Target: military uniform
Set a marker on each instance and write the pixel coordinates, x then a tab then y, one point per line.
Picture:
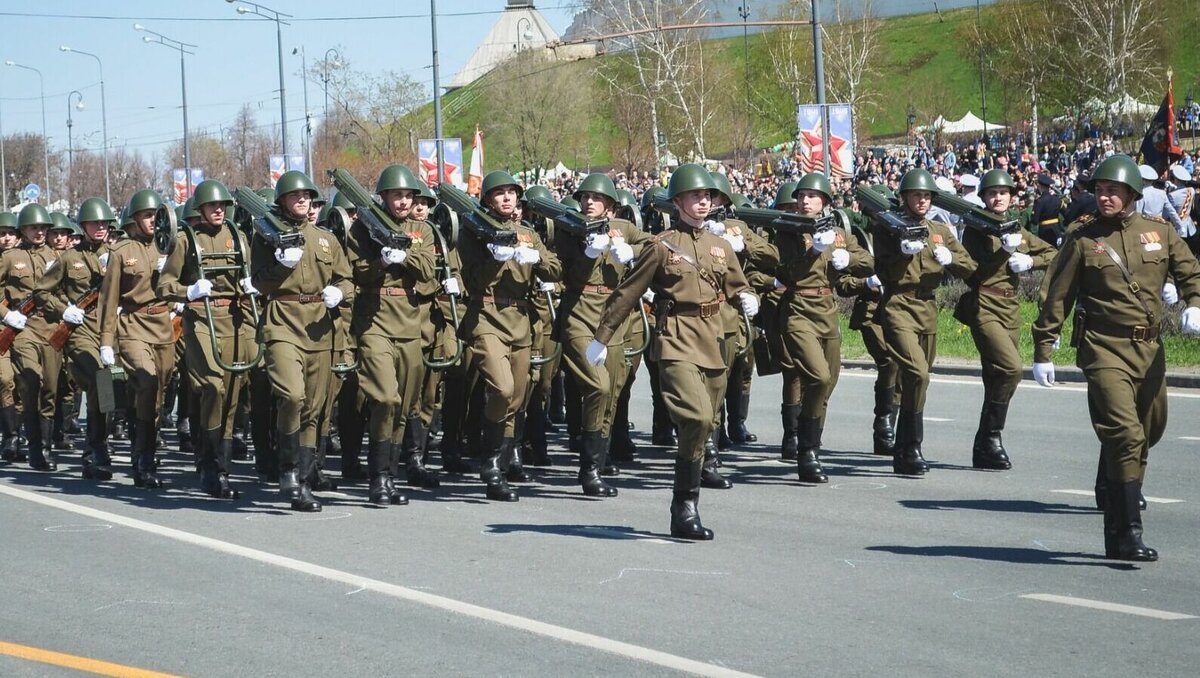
10	423
1047	213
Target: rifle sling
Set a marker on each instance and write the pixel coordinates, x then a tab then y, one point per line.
1133	286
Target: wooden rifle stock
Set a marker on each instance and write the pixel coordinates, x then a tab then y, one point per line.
9	334
63	332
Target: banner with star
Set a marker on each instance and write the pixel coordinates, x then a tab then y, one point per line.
427	159
812	148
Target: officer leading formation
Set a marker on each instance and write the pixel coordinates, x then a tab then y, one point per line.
311	323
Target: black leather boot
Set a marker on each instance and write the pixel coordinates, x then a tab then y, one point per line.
556	413
145	465
214	471
378	493
289	471
736	411
535	452
452	459
710	477
97	465
590	461
608	466
722	437
910	432
808	455
318	480
413	451
183	430
883	430
1123	499
42	457
303	500
685	502
379	455
988	451
514	470
791	431
10	433
493	444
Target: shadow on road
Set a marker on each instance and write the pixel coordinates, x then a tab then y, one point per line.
619	532
1005	554
998	505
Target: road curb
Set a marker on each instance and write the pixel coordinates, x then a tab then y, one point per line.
1062	373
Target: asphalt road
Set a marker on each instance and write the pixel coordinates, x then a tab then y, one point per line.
962	572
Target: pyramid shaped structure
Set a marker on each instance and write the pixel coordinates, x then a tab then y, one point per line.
519	27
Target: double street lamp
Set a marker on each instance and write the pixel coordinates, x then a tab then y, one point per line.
268	13
103	117
331	52
161	39
45	138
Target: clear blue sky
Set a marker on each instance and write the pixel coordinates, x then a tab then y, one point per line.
235	61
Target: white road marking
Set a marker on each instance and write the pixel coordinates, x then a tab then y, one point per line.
937	419
974	381
129	601
551	631
1109	607
1092	493
1189	437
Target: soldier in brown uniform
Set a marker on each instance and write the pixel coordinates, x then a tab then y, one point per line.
911	271
215	389
11	444
62	294
136	328
497	324
592	268
36	362
388	318
809	321
692	273
1110	269
993	312
533	443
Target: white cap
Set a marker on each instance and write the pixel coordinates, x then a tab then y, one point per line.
1180	174
1147	172
944	184
969	180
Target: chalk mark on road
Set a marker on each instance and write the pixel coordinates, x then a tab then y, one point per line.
658	571
1092	493
129	601
71	529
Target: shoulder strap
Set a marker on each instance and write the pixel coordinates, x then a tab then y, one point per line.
1133	286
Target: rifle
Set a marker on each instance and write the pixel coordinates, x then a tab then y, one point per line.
974	216
787	222
9	333
568	219
887	214
266	224
380	225
63	332
474	218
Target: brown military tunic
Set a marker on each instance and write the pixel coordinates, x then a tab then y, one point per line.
37	364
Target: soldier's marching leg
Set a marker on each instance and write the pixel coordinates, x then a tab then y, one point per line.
573	408
556	413
350	415
454	410
710	477
514	469
295	382
816	361
241	424
595	387
911	351
185	399
501	371
1002	371
737	400
10	424
662	431
383	385
690	394
883	429
83	357
37	367
209	408
622	448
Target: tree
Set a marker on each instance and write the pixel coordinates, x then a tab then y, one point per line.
789	48
851	50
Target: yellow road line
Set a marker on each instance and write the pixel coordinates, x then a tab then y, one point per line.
70	661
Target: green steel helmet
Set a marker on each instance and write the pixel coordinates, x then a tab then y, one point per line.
397	177
653	193
626	199
323	215
883	190
497	178
145	199
211	190
426	192
740	200
189	210
1118	168
597	182
996	178
723	186
34	214
814	181
267	194
62	223
570	202
8	220
94	209
536	191
290	182
784	196
318	199
689	177
919	180
126	218
342	201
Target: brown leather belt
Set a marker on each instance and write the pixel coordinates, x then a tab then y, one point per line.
811	291
151	309
706	310
301	298
1006	292
500	301
924	295
593	289
219	303
389	292
1135	333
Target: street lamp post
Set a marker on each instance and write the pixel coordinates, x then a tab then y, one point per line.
70	138
3	170
277	17
325	84
527	33
45	139
437	95
182	47
912	121
103	118
744	13
308	155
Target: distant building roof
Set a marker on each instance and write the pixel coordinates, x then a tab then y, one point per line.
520	26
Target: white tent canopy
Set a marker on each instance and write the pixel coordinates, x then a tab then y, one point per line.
968	123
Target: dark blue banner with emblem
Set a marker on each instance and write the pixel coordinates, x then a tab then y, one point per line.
1160	146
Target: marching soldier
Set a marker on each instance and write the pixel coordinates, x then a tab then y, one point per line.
533	445
911	270
37	363
1046	211
692	273
497	324
809	321
992	310
1110	269
136	328
68	292
11	444
185	279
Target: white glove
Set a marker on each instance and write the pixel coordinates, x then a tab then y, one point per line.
622	252
1011	241
648	296
736	242
1043	374
393	256
450	286
823	240
332	296
162	261
546	287
598	242
248	287
1020	262
527	256
179	308
73	315
289	257
1191	320
597	353
198	289
943	255
715	227
873	282
779	286
1170	295
15	320
107	357
104	260
749	303
911	247
840	259
501	252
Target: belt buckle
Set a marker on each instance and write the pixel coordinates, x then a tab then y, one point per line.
1139	332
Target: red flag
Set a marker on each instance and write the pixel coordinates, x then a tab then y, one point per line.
475	178
1161	144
